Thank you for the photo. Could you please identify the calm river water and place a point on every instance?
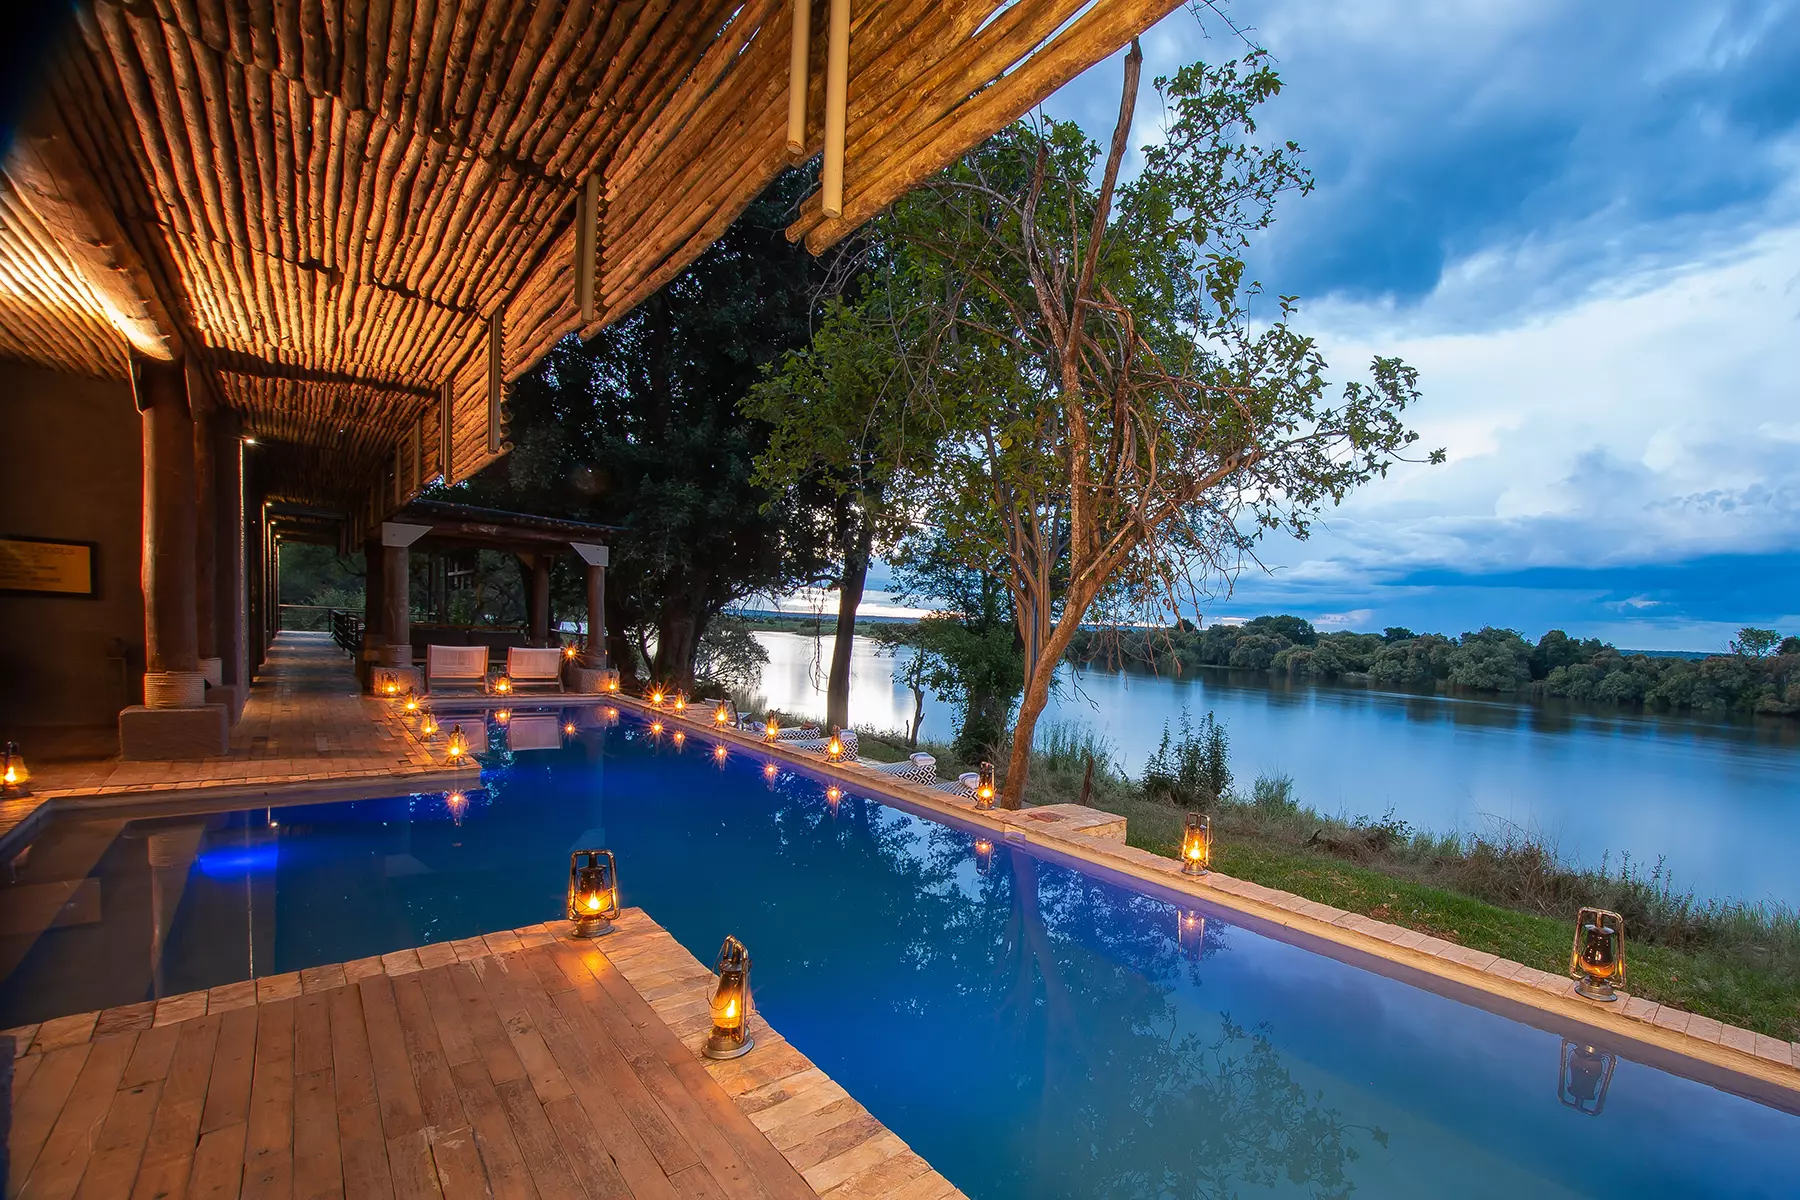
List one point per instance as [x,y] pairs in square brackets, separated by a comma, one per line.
[1719,800]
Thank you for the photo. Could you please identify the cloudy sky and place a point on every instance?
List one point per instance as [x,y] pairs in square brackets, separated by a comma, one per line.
[1582,224]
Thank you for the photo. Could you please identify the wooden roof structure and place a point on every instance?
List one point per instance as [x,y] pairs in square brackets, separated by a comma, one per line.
[358,220]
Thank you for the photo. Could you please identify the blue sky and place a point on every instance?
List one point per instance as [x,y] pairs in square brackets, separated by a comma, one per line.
[1582,223]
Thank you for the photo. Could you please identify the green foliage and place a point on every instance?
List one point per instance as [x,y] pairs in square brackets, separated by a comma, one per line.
[1490,660]
[1755,643]
[729,657]
[1192,769]
[309,571]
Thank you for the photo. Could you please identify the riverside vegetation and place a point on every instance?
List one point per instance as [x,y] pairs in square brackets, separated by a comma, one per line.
[1504,892]
[1760,674]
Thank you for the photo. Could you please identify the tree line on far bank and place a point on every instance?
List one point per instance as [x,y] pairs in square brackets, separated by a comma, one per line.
[1760,674]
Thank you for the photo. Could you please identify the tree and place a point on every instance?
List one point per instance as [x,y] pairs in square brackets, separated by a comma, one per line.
[1101,382]
[641,428]
[1755,643]
[1789,645]
[834,421]
[1490,660]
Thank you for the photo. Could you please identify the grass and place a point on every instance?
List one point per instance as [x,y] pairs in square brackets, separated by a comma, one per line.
[1512,897]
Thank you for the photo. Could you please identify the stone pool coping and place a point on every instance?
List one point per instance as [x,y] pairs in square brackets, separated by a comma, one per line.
[1098,838]
[832,1141]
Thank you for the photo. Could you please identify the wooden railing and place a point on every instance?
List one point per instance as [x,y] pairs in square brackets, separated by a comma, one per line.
[347,630]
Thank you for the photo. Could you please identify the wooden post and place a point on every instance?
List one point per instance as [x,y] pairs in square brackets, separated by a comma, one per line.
[595,558]
[496,380]
[396,593]
[587,232]
[206,533]
[173,678]
[538,600]
[228,508]
[374,605]
[798,78]
[837,90]
[446,441]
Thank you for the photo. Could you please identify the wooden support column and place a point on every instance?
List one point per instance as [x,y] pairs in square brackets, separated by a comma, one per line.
[837,92]
[374,606]
[537,606]
[595,559]
[228,508]
[206,535]
[396,556]
[173,678]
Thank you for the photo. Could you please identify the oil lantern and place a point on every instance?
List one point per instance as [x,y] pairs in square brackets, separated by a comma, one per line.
[593,892]
[457,747]
[984,786]
[612,681]
[502,685]
[14,776]
[984,855]
[656,697]
[427,723]
[1196,845]
[731,1003]
[834,748]
[1587,1072]
[1597,959]
[569,651]
[680,704]
[722,714]
[411,703]
[771,729]
[390,687]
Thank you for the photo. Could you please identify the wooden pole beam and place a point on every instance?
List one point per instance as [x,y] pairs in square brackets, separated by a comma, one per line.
[798,81]
[837,94]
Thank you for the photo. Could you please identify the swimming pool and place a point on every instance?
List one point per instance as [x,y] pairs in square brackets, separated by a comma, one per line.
[1032,1030]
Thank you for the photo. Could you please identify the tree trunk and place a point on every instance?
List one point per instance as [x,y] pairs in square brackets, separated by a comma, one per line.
[1037,695]
[675,641]
[857,550]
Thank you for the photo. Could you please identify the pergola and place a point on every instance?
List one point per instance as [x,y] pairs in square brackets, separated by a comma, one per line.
[342,229]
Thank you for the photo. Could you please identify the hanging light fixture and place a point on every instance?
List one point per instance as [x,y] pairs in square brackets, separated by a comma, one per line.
[984,856]
[427,723]
[1586,1074]
[457,747]
[15,777]
[1196,845]
[593,892]
[984,787]
[1597,959]
[730,1036]
[771,729]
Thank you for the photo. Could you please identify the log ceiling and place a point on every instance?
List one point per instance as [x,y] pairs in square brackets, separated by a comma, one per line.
[333,206]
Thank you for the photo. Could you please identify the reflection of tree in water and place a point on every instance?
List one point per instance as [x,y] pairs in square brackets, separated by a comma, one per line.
[1099,1081]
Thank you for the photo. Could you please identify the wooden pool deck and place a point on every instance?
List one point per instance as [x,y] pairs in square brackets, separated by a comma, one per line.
[521,1064]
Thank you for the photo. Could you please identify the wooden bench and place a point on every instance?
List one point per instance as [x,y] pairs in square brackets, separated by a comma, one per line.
[456,667]
[535,667]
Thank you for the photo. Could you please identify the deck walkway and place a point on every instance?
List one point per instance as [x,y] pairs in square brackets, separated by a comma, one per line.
[304,722]
[521,1064]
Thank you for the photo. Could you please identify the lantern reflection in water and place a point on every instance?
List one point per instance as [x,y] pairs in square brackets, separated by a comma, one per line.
[719,753]
[731,1003]
[1587,1073]
[770,771]
[656,727]
[568,729]
[1190,932]
[1597,959]
[458,804]
[502,715]
[984,856]
[593,892]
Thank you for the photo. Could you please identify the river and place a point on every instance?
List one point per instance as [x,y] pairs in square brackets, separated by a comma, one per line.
[1718,800]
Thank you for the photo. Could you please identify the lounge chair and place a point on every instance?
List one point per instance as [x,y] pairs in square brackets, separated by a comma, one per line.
[455,668]
[535,667]
[918,768]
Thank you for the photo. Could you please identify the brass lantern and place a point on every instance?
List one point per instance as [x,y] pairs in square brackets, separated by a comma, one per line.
[834,747]
[569,651]
[1196,845]
[984,786]
[722,714]
[14,775]
[656,697]
[427,723]
[771,729]
[1587,1072]
[731,1004]
[984,856]
[593,892]
[502,685]
[1597,959]
[390,687]
[457,747]
[411,703]
[680,704]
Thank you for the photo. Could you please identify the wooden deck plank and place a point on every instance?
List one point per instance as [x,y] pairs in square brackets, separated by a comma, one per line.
[57,1172]
[318,1169]
[234,1062]
[169,1153]
[362,1150]
[496,1049]
[550,1170]
[35,1113]
[438,1101]
[528,1043]
[454,1034]
[218,1172]
[395,1089]
[120,1149]
[269,1137]
[507,1174]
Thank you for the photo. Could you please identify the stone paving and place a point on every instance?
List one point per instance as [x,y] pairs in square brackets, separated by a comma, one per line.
[305,721]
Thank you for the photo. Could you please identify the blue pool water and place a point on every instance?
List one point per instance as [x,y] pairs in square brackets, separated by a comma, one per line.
[1032,1031]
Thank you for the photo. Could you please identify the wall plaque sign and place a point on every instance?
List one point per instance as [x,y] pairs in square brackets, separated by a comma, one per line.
[41,567]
